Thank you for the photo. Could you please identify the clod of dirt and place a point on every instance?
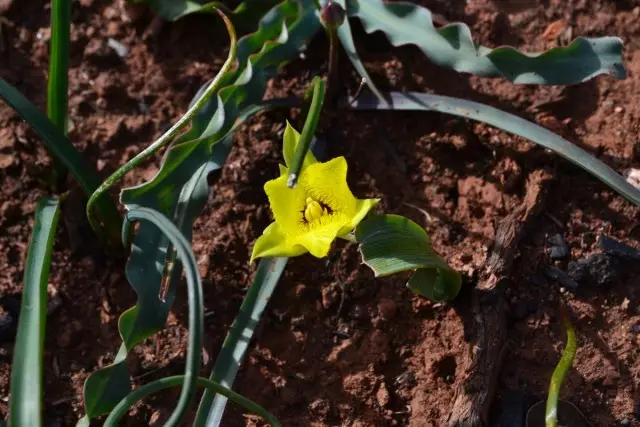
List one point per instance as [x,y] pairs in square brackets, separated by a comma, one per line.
[382,395]
[558,248]
[619,249]
[387,308]
[598,269]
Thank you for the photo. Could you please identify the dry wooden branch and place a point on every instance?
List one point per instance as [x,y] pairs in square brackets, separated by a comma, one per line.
[480,369]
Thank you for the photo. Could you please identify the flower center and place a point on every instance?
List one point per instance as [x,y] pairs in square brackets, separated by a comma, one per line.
[314,210]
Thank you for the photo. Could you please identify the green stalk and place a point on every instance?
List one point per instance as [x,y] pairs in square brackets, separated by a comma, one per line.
[141,392]
[172,133]
[194,296]
[310,125]
[560,373]
[27,369]
[58,84]
[238,338]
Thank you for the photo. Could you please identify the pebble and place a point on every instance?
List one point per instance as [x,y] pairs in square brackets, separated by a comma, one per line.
[382,396]
[598,269]
[121,50]
[616,248]
[561,277]
[558,248]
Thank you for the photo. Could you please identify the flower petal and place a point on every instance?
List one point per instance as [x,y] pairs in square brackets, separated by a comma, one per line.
[290,143]
[327,183]
[286,203]
[274,243]
[319,240]
[363,206]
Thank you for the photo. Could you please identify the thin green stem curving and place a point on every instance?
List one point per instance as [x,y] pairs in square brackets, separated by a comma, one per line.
[194,296]
[172,133]
[141,392]
[560,373]
[309,129]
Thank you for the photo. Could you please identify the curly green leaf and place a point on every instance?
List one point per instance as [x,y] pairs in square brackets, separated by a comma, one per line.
[452,46]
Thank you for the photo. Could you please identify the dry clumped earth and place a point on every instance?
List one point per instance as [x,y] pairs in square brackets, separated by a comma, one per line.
[338,347]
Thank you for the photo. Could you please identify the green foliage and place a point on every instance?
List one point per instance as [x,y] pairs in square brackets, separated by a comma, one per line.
[211,386]
[391,243]
[60,147]
[508,122]
[237,341]
[59,75]
[105,388]
[27,368]
[560,373]
[452,46]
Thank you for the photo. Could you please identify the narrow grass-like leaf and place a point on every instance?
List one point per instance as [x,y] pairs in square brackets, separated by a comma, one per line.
[560,373]
[391,243]
[237,341]
[27,368]
[508,122]
[452,46]
[346,39]
[58,144]
[211,386]
[58,84]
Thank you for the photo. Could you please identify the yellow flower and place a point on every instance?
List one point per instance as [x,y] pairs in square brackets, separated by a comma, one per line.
[310,216]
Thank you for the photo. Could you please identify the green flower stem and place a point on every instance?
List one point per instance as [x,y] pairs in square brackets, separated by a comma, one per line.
[172,133]
[310,125]
[58,84]
[333,73]
[560,373]
[140,393]
[196,308]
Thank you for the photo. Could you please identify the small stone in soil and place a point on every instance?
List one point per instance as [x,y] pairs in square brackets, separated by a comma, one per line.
[554,273]
[619,249]
[558,248]
[599,269]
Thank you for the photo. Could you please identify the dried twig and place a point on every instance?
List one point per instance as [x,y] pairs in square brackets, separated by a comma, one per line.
[481,366]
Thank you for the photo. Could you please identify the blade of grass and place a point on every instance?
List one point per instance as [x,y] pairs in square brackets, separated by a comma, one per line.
[27,369]
[237,341]
[61,148]
[211,386]
[58,84]
[196,311]
[560,373]
[508,122]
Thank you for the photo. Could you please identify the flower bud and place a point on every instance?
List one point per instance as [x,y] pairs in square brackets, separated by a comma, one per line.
[332,15]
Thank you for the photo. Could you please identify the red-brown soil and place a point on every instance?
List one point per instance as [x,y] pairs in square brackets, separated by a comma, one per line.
[336,346]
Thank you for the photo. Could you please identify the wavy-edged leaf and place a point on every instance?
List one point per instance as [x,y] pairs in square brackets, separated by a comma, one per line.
[237,341]
[508,122]
[452,46]
[391,243]
[58,144]
[27,368]
[105,388]
[179,190]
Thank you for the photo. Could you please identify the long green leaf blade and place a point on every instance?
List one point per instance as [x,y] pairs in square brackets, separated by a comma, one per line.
[27,368]
[58,144]
[238,339]
[58,84]
[452,46]
[508,122]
